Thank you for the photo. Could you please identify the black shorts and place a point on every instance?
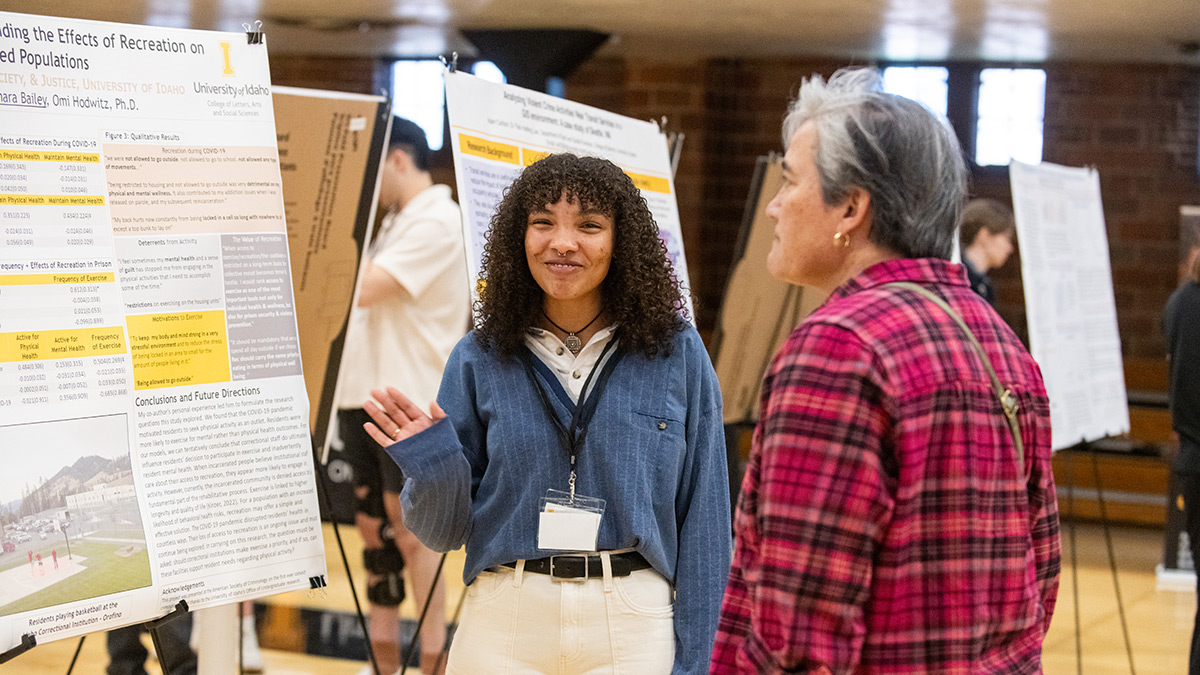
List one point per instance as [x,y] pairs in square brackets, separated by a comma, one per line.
[371,465]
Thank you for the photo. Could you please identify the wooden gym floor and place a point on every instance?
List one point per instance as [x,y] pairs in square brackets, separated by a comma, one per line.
[1159,621]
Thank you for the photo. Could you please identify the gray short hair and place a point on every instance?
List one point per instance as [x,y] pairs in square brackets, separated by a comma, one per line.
[900,153]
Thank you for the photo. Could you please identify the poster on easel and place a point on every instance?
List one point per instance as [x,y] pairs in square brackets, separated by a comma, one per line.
[153,413]
[330,153]
[1069,301]
[496,130]
[758,311]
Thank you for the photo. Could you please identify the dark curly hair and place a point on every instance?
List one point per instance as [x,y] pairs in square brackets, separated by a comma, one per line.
[641,293]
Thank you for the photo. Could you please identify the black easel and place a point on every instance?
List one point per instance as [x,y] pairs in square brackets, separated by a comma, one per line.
[28,641]
[1085,446]
[152,627]
[325,502]
[412,645]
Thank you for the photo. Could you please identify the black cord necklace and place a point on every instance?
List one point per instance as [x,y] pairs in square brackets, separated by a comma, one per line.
[572,341]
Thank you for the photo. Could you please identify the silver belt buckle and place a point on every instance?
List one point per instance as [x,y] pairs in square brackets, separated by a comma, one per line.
[581,579]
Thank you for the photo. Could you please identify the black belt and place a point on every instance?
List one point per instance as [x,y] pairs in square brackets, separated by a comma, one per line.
[585,565]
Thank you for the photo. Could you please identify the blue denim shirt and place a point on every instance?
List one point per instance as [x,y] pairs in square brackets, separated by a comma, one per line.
[655,452]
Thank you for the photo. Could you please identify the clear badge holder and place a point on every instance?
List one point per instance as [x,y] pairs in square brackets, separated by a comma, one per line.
[569,522]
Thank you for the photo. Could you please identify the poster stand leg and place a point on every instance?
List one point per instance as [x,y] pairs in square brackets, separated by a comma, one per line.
[1074,562]
[1093,453]
[78,650]
[323,497]
[458,608]
[152,627]
[412,646]
[1112,559]
[28,641]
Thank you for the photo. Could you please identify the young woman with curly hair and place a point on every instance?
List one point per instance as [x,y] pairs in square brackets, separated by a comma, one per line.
[582,387]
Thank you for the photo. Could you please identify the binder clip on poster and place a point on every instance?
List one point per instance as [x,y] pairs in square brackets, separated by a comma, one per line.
[254,33]
[317,587]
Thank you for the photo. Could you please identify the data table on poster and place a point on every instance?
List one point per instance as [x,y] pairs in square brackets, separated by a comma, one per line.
[61,315]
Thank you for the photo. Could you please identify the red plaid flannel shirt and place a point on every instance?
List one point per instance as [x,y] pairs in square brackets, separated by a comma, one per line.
[882,526]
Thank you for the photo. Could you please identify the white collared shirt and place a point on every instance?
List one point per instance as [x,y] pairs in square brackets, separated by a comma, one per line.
[403,340]
[572,371]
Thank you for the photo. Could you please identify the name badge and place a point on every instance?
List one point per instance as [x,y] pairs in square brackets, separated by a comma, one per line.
[569,524]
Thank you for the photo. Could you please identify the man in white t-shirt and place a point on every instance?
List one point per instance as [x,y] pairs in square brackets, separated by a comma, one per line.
[413,307]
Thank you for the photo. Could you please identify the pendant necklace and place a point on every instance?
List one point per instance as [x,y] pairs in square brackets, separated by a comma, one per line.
[572,341]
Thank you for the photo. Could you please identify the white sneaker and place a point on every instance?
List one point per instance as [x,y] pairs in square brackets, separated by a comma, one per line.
[252,660]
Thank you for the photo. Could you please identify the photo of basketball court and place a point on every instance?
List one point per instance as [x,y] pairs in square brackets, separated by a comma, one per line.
[70,527]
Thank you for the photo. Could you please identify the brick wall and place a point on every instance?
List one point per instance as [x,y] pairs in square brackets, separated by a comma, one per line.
[1138,126]
[351,74]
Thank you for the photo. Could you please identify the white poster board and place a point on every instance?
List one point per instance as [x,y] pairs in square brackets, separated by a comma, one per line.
[498,129]
[1069,300]
[153,415]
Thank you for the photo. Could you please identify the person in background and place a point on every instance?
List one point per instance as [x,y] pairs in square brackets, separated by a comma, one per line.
[1181,330]
[581,456]
[987,239]
[898,512]
[413,306]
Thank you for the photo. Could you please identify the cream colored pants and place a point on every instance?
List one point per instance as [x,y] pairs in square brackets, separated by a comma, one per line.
[519,623]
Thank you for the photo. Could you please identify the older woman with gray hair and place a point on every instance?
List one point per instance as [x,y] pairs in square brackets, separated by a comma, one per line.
[898,514]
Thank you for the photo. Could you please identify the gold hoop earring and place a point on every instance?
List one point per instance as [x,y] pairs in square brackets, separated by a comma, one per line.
[840,239]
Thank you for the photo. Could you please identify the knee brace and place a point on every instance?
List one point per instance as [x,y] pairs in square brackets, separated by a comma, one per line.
[368,500]
[386,589]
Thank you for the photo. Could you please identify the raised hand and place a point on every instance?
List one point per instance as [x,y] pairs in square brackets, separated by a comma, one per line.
[396,417]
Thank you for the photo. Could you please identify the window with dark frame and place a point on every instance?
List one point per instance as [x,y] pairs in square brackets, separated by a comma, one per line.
[1010,115]
[418,93]
[997,113]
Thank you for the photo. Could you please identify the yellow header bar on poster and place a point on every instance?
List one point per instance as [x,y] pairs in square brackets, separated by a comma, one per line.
[41,345]
[521,156]
[51,200]
[651,183]
[530,156]
[497,152]
[57,278]
[53,156]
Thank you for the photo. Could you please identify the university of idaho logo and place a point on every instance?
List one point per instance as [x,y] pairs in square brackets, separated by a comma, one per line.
[227,55]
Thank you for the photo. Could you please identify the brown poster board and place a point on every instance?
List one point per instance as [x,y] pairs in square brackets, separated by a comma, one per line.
[758,312]
[330,149]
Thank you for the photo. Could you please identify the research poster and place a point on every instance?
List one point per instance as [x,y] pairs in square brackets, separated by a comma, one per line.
[330,149]
[1069,300]
[153,414]
[498,129]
